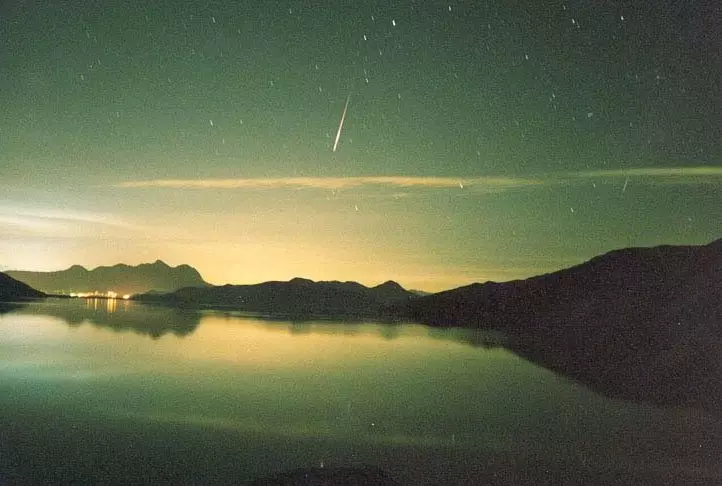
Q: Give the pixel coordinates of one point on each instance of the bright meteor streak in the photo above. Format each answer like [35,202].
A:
[340,125]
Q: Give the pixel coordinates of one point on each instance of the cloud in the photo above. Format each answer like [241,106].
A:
[46,219]
[675,174]
[666,175]
[336,183]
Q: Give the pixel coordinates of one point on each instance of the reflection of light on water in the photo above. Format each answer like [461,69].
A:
[91,304]
[111,304]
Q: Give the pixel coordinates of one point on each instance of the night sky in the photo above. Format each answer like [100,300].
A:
[481,141]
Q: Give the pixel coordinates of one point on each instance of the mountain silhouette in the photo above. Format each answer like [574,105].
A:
[12,289]
[389,292]
[120,278]
[420,293]
[636,323]
[297,297]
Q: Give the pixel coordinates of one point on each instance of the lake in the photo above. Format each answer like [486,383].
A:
[101,391]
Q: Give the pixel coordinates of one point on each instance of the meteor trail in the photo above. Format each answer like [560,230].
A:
[340,125]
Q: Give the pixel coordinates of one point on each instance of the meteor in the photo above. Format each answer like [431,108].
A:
[340,125]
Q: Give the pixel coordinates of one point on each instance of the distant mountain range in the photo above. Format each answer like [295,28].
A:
[638,323]
[14,290]
[298,297]
[123,279]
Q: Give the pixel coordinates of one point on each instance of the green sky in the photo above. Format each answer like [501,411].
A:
[482,141]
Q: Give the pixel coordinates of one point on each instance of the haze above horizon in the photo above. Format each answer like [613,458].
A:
[478,142]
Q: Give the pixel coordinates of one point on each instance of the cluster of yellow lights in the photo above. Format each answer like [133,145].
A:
[102,295]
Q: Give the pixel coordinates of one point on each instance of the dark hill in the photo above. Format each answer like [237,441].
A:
[12,290]
[297,297]
[120,278]
[639,323]
[389,292]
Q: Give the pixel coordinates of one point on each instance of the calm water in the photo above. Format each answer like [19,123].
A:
[100,391]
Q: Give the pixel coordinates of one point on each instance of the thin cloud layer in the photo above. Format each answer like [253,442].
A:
[667,175]
[657,172]
[45,219]
[334,183]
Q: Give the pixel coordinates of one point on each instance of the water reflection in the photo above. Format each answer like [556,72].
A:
[7,307]
[109,305]
[237,336]
[241,397]
[474,337]
[684,371]
[119,316]
[389,331]
[156,321]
